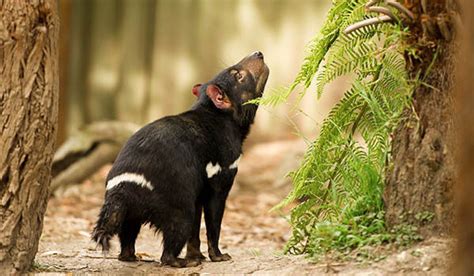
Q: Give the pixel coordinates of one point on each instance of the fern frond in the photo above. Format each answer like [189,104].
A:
[340,179]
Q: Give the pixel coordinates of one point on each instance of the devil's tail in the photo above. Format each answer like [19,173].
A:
[110,221]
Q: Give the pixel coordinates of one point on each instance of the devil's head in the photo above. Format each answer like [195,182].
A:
[234,86]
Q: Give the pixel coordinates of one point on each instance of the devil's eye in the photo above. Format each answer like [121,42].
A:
[239,77]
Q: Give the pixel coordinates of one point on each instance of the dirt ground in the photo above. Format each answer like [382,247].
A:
[252,235]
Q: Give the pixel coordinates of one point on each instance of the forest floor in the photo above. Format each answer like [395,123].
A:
[252,235]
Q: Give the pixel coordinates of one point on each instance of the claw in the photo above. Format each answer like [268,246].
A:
[178,262]
[220,258]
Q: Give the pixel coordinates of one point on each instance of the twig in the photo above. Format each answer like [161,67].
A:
[371,3]
[424,4]
[401,8]
[367,22]
[99,257]
[387,15]
[382,10]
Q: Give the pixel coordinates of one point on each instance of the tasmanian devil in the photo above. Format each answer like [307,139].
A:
[174,168]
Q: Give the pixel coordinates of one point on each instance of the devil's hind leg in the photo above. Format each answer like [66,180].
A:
[176,232]
[128,235]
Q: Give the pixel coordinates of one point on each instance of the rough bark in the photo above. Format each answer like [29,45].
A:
[28,119]
[419,183]
[464,257]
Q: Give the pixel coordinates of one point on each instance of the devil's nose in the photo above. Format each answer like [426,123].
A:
[258,54]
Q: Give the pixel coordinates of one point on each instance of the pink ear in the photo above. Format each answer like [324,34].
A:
[196,89]
[217,97]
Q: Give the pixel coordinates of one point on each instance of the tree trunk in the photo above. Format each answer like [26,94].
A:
[64,46]
[103,60]
[79,63]
[464,256]
[419,183]
[28,106]
[136,40]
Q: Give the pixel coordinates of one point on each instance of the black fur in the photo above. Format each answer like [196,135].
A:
[172,154]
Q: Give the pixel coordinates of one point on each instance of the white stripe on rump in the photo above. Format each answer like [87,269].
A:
[138,179]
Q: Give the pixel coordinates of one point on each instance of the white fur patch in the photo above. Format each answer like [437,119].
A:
[138,179]
[212,169]
[235,164]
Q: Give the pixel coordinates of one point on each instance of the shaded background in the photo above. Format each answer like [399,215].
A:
[137,60]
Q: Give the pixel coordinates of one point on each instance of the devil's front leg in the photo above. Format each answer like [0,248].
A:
[193,249]
[213,211]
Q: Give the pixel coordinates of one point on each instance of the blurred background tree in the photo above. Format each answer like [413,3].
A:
[137,60]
